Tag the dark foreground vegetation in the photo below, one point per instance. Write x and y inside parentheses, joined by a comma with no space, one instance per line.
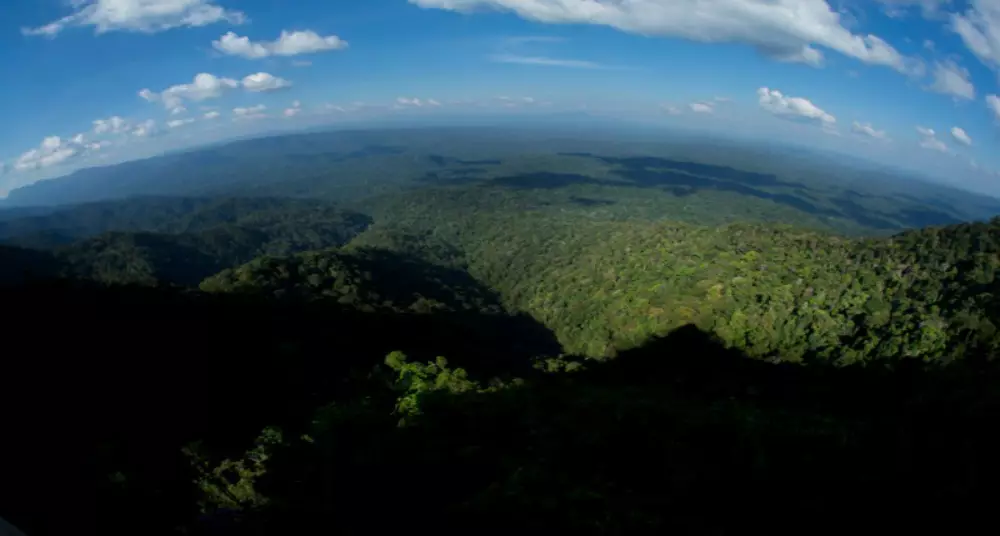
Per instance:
(506,353)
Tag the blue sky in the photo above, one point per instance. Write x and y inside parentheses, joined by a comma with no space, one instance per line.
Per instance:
(101,81)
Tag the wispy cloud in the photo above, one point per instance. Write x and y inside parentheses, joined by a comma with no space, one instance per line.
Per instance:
(525,39)
(545,61)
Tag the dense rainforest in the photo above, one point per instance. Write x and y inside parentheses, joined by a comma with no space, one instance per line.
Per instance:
(644,346)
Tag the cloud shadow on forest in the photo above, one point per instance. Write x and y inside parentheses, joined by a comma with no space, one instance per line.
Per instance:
(687,178)
(590,202)
(446,160)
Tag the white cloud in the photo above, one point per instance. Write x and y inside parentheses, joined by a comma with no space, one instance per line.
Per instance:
(178,110)
(434,103)
(145,129)
(787,30)
(993,103)
(264,82)
(934,144)
(97,145)
(252,112)
(897,8)
(670,109)
(204,86)
(868,130)
(408,102)
(546,62)
(177,123)
(288,44)
(212,115)
(793,107)
(701,108)
(929,140)
(55,150)
(952,79)
(961,136)
(295,109)
(148,16)
(111,125)
(979,28)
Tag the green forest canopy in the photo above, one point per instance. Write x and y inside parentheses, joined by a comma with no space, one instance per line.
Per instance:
(568,342)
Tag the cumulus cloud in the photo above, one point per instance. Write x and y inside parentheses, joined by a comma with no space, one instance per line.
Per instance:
(928,140)
(868,130)
(952,79)
(778,104)
(252,112)
(788,30)
(979,28)
(97,145)
(148,16)
(288,44)
(264,82)
(701,108)
(294,110)
(993,103)
(111,125)
(145,129)
(204,86)
(177,123)
(54,150)
(212,115)
(961,136)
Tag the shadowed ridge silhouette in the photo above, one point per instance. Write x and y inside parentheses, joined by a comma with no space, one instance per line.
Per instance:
(682,435)
(106,384)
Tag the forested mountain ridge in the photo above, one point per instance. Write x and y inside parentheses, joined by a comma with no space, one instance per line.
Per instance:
(772,292)
(171,215)
(179,240)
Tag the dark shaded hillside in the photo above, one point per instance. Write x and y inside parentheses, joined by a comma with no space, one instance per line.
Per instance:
(105,391)
(662,439)
(659,439)
(19,265)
